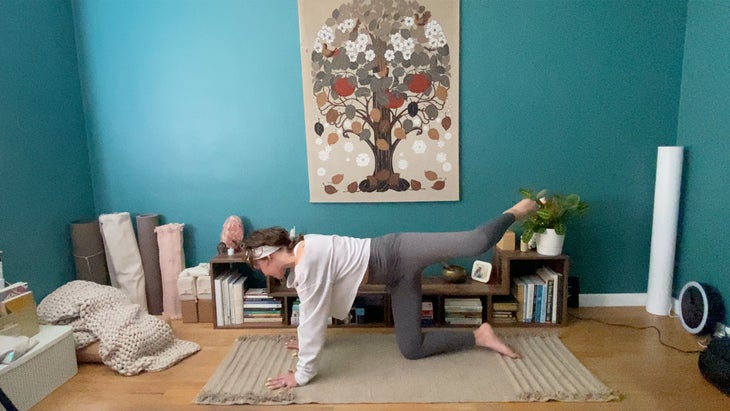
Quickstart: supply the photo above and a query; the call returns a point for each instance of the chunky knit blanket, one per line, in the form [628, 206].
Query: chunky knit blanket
[130, 340]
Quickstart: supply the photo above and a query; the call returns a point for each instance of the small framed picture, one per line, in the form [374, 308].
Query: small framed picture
[480, 271]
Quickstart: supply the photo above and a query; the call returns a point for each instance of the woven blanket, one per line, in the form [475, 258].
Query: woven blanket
[130, 340]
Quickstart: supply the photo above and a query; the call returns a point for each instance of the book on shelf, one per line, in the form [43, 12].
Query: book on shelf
[504, 303]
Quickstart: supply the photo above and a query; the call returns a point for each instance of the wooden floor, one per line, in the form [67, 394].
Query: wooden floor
[648, 375]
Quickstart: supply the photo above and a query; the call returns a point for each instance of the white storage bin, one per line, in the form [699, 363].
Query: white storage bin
[41, 370]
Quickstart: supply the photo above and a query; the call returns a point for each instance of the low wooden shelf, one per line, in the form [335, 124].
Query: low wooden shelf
[435, 288]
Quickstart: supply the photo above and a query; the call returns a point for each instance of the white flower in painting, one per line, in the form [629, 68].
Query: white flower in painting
[346, 25]
[416, 121]
[402, 164]
[446, 166]
[321, 172]
[419, 147]
[406, 55]
[396, 40]
[370, 55]
[318, 141]
[324, 155]
[349, 147]
[326, 35]
[408, 22]
[362, 42]
[426, 128]
[441, 144]
[347, 123]
[352, 51]
[389, 55]
[328, 148]
[435, 34]
[441, 157]
[317, 46]
[362, 160]
[447, 136]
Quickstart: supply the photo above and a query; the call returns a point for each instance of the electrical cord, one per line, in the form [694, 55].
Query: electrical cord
[659, 333]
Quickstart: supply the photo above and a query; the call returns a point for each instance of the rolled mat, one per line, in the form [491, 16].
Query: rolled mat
[172, 263]
[122, 256]
[150, 253]
[88, 251]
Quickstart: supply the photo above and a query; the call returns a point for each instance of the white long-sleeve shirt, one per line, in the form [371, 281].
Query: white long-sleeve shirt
[326, 279]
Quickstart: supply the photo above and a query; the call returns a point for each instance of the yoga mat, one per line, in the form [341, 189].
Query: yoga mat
[122, 256]
[150, 253]
[172, 263]
[88, 251]
[369, 368]
[664, 229]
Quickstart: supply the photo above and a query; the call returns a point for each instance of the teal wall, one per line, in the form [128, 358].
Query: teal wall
[45, 178]
[704, 128]
[194, 111]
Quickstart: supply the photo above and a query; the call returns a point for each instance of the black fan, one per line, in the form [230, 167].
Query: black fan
[701, 307]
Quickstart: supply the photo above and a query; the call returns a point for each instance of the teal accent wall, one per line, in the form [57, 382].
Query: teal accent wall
[193, 110]
[704, 129]
[195, 113]
[45, 178]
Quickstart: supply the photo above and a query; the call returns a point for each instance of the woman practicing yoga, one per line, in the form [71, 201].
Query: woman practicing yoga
[326, 271]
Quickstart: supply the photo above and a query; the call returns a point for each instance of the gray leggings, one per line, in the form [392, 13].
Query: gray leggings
[398, 260]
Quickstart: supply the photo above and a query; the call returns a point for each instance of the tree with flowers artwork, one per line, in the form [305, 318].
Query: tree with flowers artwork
[380, 81]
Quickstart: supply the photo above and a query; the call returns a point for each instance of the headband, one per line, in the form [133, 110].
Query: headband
[264, 251]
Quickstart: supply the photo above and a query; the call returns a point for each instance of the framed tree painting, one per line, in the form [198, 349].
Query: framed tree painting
[380, 81]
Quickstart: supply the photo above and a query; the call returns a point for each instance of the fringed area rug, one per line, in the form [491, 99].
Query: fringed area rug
[368, 368]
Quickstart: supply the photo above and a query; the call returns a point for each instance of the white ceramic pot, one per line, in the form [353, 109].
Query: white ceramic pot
[550, 243]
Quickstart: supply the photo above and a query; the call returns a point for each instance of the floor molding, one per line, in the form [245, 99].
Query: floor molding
[618, 300]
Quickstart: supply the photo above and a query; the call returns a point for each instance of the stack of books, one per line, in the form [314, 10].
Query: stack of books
[463, 311]
[504, 309]
[427, 313]
[258, 307]
[18, 310]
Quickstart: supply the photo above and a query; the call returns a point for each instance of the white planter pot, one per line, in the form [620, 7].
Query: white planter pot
[550, 243]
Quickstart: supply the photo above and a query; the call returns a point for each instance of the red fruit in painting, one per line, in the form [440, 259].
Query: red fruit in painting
[419, 83]
[343, 87]
[395, 100]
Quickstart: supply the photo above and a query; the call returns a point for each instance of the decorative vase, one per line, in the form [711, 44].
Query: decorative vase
[550, 243]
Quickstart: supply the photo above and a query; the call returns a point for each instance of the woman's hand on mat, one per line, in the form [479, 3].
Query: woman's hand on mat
[282, 381]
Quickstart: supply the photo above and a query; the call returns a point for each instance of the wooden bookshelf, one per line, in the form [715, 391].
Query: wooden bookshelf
[435, 288]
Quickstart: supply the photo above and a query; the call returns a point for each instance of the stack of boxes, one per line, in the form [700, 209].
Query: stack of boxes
[196, 297]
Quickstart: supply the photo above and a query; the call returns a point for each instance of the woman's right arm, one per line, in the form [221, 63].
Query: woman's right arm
[314, 314]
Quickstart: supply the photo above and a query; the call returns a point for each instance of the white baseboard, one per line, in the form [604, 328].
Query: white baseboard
[612, 300]
[618, 300]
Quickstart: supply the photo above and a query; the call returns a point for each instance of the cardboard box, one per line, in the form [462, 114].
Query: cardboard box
[48, 365]
[189, 311]
[508, 241]
[205, 311]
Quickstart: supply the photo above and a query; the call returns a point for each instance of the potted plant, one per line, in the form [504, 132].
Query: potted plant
[548, 223]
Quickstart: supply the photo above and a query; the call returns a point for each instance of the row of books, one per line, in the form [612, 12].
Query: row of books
[229, 289]
[463, 311]
[537, 296]
[236, 303]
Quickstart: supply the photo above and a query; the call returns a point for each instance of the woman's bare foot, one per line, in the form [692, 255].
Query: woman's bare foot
[522, 209]
[485, 336]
